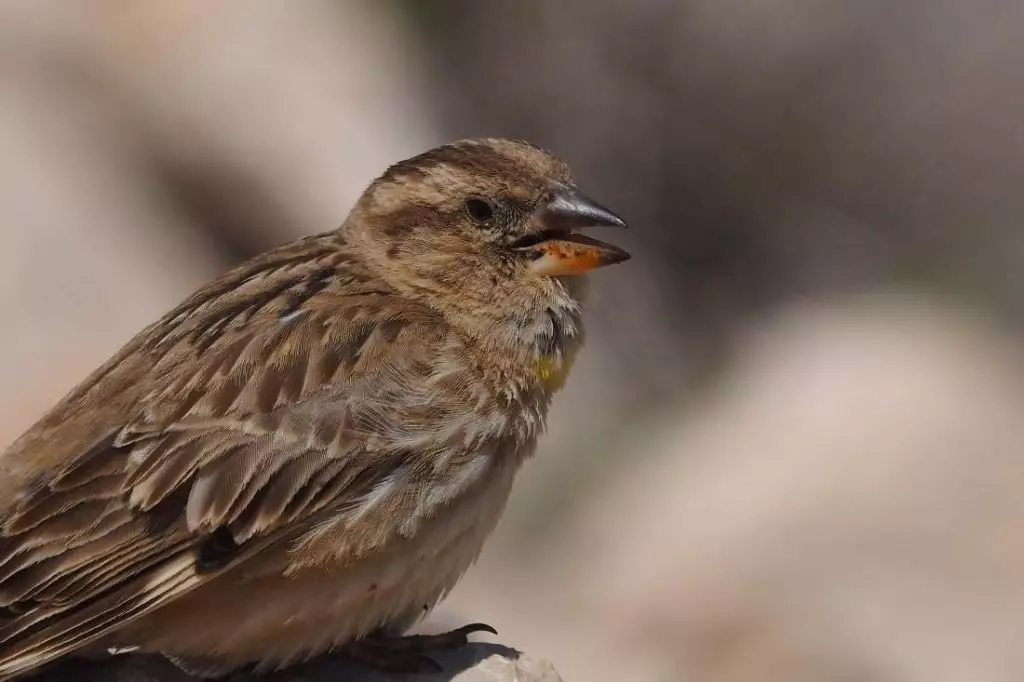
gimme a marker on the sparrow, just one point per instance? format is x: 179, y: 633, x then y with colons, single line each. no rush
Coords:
x: 307, y: 454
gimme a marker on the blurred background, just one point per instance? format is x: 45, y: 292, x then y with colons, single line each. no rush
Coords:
x: 794, y: 448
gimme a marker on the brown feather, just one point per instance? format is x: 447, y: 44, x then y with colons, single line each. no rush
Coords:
x: 339, y: 400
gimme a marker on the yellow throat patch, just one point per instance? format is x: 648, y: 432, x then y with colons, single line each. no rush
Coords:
x: 552, y: 372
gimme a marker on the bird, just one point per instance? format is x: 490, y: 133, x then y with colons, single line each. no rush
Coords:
x: 307, y: 453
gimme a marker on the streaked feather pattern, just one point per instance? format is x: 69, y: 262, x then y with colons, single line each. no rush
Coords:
x: 250, y: 407
x: 305, y: 450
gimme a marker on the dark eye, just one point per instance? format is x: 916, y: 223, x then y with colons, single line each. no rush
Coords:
x: 479, y: 210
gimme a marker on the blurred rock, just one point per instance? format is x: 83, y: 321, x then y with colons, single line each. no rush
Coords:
x: 849, y: 506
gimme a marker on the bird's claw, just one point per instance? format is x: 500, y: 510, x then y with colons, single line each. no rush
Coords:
x: 410, y: 654
x: 452, y: 639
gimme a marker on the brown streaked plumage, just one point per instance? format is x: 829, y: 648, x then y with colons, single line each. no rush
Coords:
x: 313, y: 447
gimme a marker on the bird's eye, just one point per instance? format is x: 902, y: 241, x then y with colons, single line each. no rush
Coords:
x: 479, y: 210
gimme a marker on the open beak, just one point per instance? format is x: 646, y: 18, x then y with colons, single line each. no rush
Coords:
x: 555, y: 249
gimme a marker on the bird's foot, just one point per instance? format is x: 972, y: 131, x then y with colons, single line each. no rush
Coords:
x: 410, y: 653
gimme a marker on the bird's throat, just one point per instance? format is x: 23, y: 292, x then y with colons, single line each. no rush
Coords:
x: 553, y: 370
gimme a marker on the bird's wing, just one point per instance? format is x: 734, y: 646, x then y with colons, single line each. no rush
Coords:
x: 291, y: 388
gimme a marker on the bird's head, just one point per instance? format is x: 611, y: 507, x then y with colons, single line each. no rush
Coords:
x: 484, y: 227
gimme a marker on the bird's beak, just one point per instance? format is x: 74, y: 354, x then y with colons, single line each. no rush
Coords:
x: 555, y: 249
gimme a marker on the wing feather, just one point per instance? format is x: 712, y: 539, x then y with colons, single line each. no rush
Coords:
x: 272, y: 395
